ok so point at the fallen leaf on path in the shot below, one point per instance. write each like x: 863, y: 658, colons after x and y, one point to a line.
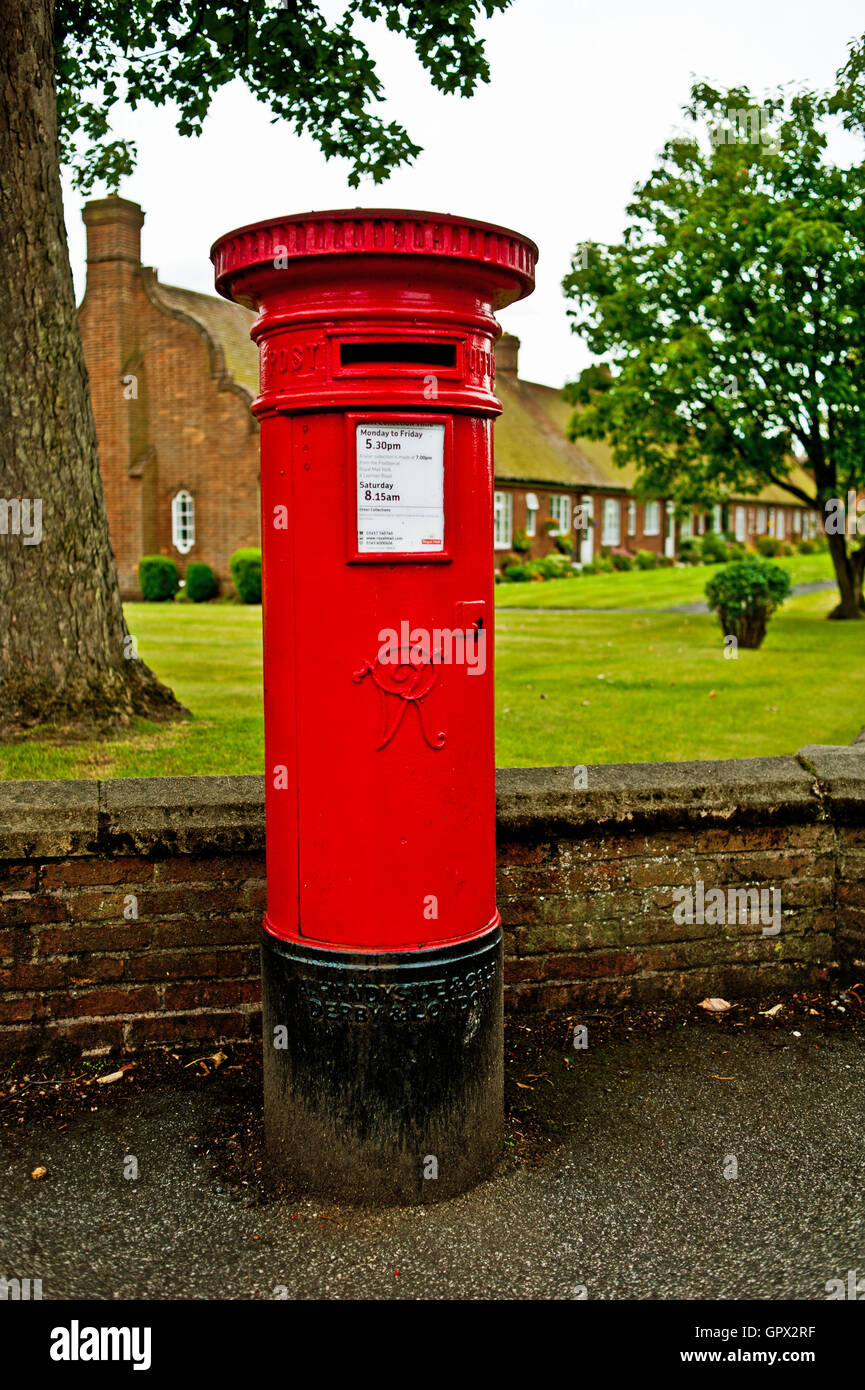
x: 714, y: 1006
x: 39, y: 1173
x: 770, y: 1013
x: 217, y: 1058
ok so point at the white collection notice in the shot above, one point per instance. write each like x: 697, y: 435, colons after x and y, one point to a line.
x: 400, y: 488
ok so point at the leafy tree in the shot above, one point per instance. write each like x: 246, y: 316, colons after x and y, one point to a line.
x: 732, y: 315
x: 65, y: 654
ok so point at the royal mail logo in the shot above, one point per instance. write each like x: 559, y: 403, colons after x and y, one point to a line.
x: 405, y: 682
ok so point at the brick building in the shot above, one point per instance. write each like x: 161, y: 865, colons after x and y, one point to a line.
x: 172, y: 376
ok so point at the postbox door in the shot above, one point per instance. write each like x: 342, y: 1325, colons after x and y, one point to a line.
x: 395, y: 842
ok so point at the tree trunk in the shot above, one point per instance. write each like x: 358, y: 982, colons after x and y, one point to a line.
x: 848, y: 572
x: 65, y: 653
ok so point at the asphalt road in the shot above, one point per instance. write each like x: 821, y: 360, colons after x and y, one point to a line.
x: 626, y: 1198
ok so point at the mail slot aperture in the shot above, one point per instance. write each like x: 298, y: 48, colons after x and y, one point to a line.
x: 400, y: 353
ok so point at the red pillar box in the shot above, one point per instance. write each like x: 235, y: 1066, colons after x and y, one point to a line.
x: 382, y: 945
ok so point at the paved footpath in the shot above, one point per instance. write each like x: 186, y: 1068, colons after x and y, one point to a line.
x: 626, y: 1197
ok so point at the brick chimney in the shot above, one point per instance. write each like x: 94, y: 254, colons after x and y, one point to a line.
x: 113, y: 262
x: 113, y: 230
x: 109, y: 319
x: 507, y: 354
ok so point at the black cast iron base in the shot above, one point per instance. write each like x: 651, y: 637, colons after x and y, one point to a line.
x: 383, y: 1074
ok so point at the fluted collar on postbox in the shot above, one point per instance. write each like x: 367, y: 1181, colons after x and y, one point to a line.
x: 378, y: 305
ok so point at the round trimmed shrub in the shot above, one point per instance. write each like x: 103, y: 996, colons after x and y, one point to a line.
x: 745, y: 595
x: 245, y: 567
x: 200, y: 581
x: 646, y: 560
x: 517, y: 574
x: 806, y: 546
x: 158, y: 578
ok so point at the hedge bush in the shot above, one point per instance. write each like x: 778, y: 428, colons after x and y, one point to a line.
x: 158, y: 578
x: 621, y: 560
x: 770, y: 545
x: 517, y: 574
x: 560, y: 567
x: 245, y: 567
x: 689, y: 551
x: 713, y: 549
x: 646, y: 560
x: 200, y: 581
x: 745, y: 595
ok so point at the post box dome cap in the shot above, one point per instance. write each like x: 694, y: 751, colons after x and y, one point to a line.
x: 373, y: 231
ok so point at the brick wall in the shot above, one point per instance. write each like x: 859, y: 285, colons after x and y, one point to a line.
x: 130, y: 910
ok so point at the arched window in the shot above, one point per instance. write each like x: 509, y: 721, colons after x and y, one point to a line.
x: 183, y: 521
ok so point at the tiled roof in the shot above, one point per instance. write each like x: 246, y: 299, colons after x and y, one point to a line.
x: 530, y: 437
x: 529, y: 442
x: 596, y: 455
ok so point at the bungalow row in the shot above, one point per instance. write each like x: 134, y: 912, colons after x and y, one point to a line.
x: 546, y: 485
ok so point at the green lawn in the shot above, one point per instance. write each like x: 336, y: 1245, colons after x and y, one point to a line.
x: 642, y: 588
x: 639, y: 687
x: 571, y: 687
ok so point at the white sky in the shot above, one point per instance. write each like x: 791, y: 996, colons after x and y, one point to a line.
x: 582, y: 96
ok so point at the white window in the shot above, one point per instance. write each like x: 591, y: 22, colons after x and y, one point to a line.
x: 503, y: 511
x: 560, y: 511
x: 652, y: 519
x: 532, y: 508
x: 761, y: 521
x: 183, y: 521
x: 780, y: 523
x: 740, y: 525
x: 685, y: 527
x: 701, y: 524
x: 632, y: 518
x: 797, y: 523
x: 718, y: 518
x: 771, y: 521
x: 611, y: 529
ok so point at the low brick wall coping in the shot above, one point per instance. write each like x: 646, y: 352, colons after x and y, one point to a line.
x: 190, y: 815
